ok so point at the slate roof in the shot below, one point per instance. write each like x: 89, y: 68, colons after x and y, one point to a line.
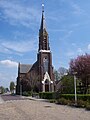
x: 24, y: 68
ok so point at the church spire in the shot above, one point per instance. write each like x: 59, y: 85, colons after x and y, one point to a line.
x: 42, y: 8
x: 43, y: 22
x: 43, y: 35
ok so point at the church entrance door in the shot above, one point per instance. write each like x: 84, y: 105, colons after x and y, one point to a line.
x: 47, y: 85
x: 46, y: 88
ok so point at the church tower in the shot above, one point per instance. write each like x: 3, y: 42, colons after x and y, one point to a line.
x: 44, y: 58
x: 38, y: 76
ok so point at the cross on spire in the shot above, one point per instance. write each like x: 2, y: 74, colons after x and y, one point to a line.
x: 42, y: 7
x: 43, y: 22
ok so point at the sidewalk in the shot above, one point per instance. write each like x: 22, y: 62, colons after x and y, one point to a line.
x: 1, y: 100
x: 33, y: 98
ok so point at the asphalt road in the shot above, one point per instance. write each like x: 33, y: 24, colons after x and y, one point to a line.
x: 19, y: 109
x: 38, y: 110
x: 8, y: 97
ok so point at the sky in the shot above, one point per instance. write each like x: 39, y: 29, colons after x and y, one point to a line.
x: 68, y: 26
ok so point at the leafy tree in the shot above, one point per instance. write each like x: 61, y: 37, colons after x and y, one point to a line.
x: 67, y: 84
x: 6, y: 90
x: 2, y: 89
x: 12, y: 86
x: 81, y: 65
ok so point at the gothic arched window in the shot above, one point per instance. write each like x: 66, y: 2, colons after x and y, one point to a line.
x: 45, y: 65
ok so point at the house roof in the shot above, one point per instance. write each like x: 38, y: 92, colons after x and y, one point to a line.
x: 24, y: 68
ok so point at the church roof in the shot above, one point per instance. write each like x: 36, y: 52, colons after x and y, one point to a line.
x: 24, y: 68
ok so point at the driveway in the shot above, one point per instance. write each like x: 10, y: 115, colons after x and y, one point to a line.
x: 8, y: 97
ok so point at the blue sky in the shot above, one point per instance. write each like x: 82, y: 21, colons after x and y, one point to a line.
x: 68, y: 25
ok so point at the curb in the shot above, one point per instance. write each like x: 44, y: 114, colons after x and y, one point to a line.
x: 35, y: 99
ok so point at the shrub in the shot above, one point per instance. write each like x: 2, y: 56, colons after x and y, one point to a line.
x: 25, y: 93
x: 29, y: 93
x: 52, y: 100
x: 35, y: 95
x: 62, y: 101
x: 88, y: 106
x: 81, y: 103
x: 56, y: 95
x: 46, y: 95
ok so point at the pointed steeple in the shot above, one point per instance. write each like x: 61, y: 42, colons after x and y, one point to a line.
x: 43, y: 35
x: 43, y: 22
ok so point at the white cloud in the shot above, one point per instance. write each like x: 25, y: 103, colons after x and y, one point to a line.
x: 76, y: 52
x: 53, y: 17
x: 70, y: 53
x: 73, y: 44
x: 21, y: 46
x: 4, y: 50
x: 7, y: 77
x: 68, y: 34
x: 80, y: 50
x: 16, y: 13
x: 58, y: 30
x: 8, y: 72
x: 9, y: 63
x: 89, y: 47
x: 77, y: 9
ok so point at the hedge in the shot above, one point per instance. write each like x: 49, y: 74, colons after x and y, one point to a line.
x: 83, y: 97
x: 53, y: 95
x: 46, y: 95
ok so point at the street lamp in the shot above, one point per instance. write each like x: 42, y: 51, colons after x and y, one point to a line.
x: 75, y: 87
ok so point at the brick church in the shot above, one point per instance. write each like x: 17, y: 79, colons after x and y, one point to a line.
x: 38, y: 76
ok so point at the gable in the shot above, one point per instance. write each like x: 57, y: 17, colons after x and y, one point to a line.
x: 24, y: 68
